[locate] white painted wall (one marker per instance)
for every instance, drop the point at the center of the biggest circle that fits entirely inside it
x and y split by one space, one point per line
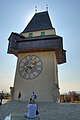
38 33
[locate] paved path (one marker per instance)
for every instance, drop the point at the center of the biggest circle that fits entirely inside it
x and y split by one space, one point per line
48 111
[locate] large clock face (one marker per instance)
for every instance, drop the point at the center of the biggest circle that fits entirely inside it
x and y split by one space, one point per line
30 67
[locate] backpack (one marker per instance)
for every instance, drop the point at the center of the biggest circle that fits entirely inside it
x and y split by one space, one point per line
35 96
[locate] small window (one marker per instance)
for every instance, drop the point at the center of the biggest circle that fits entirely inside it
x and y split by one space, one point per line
30 35
42 33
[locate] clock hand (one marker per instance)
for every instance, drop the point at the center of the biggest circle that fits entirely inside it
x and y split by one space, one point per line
32 64
27 68
25 71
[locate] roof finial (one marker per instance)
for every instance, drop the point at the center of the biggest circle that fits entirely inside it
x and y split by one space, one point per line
35 9
46 7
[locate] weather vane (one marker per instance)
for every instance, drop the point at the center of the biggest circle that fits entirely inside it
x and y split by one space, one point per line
35 9
46 7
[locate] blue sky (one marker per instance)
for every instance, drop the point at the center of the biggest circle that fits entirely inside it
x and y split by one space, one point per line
65 17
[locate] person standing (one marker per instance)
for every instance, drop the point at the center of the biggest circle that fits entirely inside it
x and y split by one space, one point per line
33 96
19 96
1 97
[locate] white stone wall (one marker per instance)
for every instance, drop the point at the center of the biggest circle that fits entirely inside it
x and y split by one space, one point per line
38 33
44 84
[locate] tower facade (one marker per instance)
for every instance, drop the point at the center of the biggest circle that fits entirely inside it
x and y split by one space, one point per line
39 51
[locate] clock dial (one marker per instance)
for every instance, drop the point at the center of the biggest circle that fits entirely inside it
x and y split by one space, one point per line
30 67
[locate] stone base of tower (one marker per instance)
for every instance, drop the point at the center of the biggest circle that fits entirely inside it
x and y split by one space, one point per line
45 85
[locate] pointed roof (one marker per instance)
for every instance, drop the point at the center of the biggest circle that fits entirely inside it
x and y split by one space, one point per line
40 21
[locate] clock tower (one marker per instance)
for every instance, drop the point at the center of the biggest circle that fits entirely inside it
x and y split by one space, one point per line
39 51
